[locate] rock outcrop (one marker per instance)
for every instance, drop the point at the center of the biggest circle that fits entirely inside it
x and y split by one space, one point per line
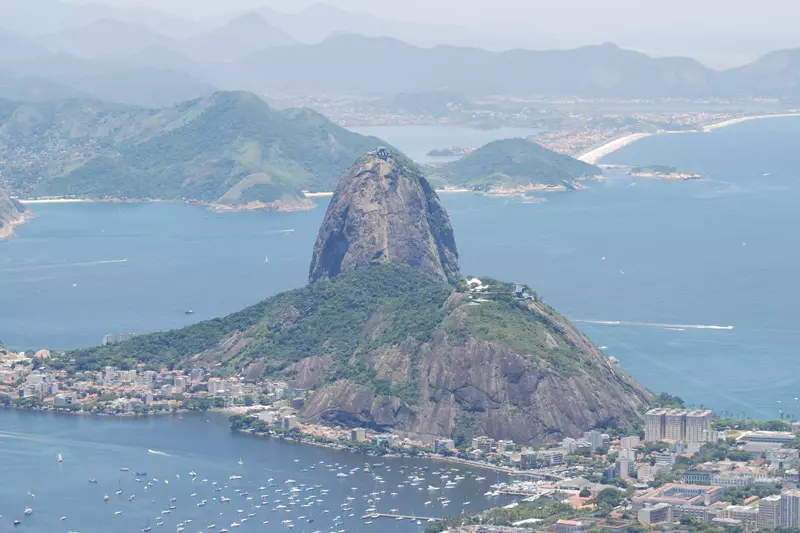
11 214
386 343
384 210
466 382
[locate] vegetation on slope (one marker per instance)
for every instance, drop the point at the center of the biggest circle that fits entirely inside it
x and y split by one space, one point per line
325 318
229 148
512 163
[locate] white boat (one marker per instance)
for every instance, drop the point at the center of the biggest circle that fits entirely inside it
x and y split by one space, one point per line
60 459
240 461
28 511
235 477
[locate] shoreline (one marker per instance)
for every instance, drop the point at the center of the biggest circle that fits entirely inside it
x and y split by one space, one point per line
276 206
9 230
594 155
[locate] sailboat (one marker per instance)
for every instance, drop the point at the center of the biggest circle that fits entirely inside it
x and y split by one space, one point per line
240 461
60 460
266 259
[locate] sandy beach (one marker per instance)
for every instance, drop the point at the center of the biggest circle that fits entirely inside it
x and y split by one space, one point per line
733 121
595 155
57 201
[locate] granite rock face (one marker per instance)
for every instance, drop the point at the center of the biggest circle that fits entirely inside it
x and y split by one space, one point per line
485 386
384 210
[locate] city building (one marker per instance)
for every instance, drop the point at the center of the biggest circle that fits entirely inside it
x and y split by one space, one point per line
769 512
623 468
63 400
679 425
358 434
654 425
571 526
784 437
698 426
596 439
655 514
678 494
697 477
745 515
790 509
442 445
630 443
485 444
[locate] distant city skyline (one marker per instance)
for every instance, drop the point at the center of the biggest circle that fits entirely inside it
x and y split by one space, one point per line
721 34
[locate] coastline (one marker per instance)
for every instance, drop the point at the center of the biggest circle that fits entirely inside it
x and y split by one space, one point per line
277 205
8 231
734 121
596 154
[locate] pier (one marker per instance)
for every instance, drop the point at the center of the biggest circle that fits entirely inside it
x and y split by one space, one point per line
402 516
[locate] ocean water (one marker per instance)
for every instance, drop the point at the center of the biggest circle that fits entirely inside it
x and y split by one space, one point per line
98 447
691 285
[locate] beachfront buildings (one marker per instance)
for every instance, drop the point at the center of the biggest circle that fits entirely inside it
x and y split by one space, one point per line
678 425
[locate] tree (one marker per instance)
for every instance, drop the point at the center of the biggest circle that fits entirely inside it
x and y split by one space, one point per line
585 493
609 498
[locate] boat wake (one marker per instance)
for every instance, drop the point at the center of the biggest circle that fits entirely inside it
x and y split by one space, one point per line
156 452
675 327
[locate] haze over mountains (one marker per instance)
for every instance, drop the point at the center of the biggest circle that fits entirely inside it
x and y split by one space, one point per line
103 59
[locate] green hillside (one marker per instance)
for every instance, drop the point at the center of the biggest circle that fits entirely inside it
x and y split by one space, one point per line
511 163
230 148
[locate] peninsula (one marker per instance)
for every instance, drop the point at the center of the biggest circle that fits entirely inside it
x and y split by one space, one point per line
389 335
229 150
12 214
513 166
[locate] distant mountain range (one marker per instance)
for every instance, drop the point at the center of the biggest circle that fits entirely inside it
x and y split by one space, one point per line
228 149
512 164
256 52
348 63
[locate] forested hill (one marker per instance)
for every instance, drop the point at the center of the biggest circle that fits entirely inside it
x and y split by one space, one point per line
512 163
230 148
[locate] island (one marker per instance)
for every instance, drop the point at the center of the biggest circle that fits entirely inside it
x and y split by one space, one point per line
512 167
663 172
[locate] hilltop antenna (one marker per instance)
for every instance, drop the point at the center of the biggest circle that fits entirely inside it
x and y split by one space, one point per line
383 152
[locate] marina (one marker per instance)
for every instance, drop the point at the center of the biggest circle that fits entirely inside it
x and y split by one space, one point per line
192 486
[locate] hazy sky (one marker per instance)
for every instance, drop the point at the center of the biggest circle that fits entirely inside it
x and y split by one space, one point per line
721 32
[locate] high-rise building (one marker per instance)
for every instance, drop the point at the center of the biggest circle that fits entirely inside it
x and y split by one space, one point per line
679 425
698 426
674 424
629 443
769 512
654 425
790 509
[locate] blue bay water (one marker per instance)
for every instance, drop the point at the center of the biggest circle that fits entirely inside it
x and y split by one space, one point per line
98 447
678 256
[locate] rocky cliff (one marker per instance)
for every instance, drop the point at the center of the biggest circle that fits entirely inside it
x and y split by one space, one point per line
11 214
383 342
384 210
